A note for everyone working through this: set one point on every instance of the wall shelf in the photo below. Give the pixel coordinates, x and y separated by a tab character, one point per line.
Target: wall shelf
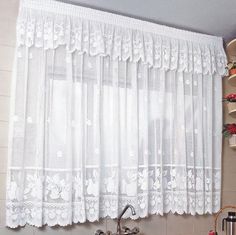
232	141
231	50
233	113
231	56
232	80
233	146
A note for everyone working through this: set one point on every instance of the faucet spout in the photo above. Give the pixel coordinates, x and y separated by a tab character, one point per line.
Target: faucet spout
122	213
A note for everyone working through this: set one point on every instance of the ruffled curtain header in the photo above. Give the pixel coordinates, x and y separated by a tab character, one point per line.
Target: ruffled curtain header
49	24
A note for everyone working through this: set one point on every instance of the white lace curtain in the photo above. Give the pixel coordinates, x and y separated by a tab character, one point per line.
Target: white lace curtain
109	110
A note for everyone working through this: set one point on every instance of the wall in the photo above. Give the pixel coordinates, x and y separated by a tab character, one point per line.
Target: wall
167	225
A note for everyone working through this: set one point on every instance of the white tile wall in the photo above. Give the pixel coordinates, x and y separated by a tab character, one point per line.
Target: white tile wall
6	57
3	134
4	107
3	159
5	81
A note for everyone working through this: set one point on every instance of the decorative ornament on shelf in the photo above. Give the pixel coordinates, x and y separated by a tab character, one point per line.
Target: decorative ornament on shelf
230	132
231	71
231	66
231	103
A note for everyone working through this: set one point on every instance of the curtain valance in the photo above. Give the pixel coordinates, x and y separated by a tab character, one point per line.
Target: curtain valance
49	24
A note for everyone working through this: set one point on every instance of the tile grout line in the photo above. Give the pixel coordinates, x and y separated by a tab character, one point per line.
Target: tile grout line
7	45
5	70
2	70
4	121
5	96
3	147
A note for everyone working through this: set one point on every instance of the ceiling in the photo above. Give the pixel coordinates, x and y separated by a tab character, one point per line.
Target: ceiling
214	17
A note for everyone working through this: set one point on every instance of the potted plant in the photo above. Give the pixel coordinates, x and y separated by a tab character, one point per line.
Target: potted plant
231	66
231	102
230	132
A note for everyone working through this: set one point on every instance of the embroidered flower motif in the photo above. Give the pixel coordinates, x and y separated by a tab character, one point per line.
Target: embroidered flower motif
110	185
217	180
143	180
64	214
190	175
129	185
78	186
34	212
51	214
143	203
171	184
92	210
92	184
29	119
207	184
34	186
89	122
158	172
199	184
157	184
57	188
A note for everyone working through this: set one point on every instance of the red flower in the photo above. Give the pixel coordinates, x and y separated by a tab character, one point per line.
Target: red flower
230	97
232	130
229	129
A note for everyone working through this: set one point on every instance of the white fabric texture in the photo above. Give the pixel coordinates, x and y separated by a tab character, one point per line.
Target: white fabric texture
109	110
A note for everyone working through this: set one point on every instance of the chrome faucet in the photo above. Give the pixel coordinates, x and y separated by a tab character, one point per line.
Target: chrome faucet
121	214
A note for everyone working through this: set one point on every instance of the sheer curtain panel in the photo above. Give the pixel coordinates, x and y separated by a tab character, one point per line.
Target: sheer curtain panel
108	110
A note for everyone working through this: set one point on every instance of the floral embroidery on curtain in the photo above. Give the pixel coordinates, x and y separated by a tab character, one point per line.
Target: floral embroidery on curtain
109	110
